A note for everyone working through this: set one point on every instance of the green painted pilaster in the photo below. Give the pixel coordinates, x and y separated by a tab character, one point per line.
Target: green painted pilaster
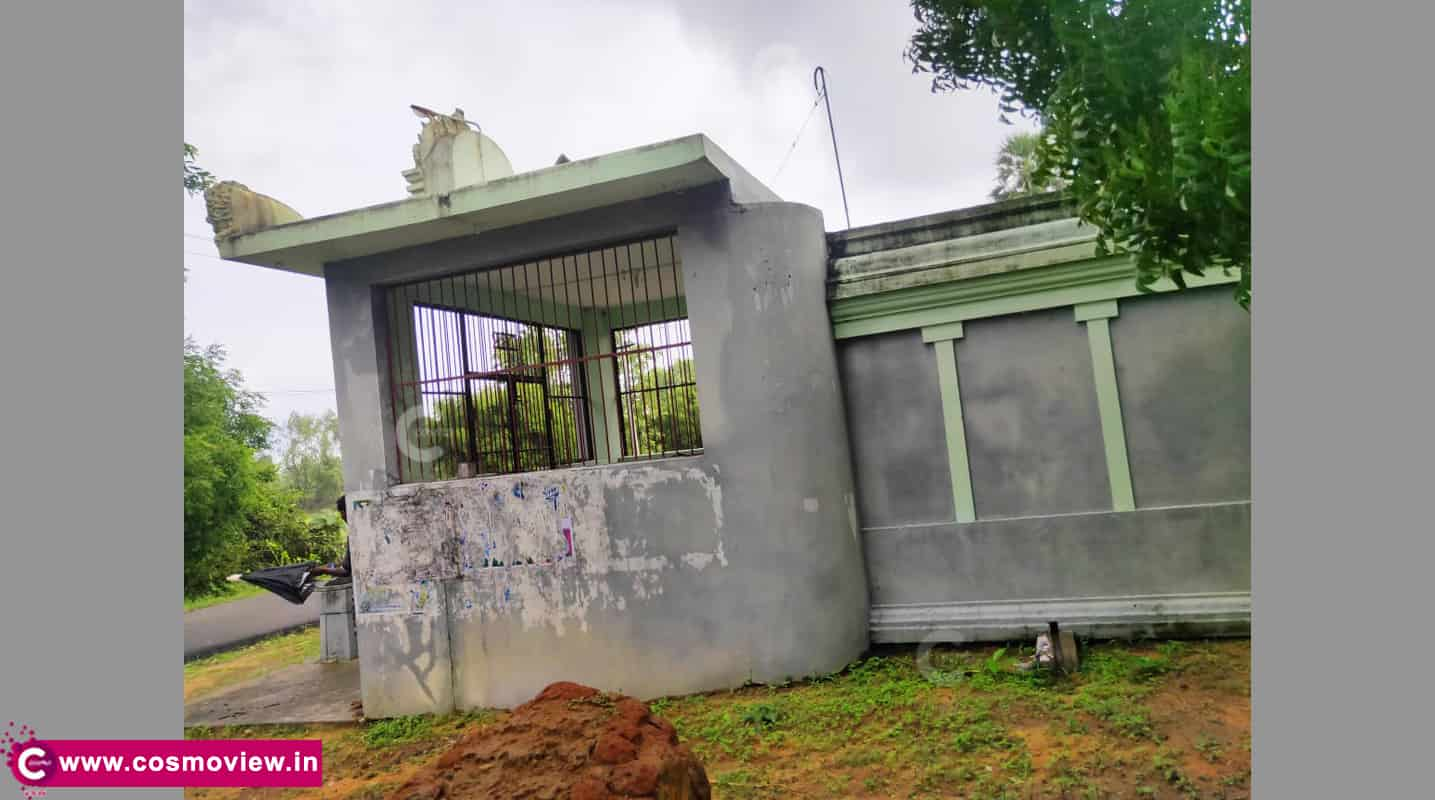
943	338
1097	318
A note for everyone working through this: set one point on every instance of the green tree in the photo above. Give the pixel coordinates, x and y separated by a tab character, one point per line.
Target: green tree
278	532
222	432
1146	111
239	514
663	416
310	464
1019	173
196	180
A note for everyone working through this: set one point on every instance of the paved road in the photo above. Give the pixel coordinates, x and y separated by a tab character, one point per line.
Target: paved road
227	625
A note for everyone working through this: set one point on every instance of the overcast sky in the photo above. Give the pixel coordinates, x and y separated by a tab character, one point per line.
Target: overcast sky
308	102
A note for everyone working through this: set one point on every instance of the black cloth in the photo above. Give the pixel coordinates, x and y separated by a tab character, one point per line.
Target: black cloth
293	583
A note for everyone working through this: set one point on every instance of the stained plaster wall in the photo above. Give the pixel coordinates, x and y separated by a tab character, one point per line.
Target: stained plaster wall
903	476
743	563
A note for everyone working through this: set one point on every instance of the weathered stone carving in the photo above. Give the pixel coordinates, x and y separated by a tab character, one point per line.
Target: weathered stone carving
450	155
234	210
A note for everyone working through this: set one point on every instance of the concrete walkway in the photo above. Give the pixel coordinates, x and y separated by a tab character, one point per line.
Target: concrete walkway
227	625
303	693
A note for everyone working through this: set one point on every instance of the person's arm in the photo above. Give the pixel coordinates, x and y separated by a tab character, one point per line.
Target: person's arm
344	569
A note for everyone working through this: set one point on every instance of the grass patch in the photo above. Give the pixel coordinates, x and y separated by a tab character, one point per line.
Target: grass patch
743	784
1136	720
397	731
230	593
1210	749
1115	681
205	676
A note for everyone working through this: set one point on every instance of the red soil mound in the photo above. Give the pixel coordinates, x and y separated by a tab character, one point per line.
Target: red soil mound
570	741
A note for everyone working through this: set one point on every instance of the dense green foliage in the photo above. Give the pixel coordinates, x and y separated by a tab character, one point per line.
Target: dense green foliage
1146	110
222	431
238	514
280	533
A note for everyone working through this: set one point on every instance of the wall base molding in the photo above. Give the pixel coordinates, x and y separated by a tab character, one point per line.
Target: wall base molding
1164	615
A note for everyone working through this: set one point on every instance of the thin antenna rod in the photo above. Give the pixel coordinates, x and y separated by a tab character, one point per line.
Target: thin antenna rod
819	82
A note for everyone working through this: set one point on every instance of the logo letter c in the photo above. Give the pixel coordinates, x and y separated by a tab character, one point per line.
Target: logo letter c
22	763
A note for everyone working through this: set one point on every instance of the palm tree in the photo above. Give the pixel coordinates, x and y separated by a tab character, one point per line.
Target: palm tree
1018	174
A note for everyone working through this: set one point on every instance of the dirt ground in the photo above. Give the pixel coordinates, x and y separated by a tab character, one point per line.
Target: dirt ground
1149	719
570	741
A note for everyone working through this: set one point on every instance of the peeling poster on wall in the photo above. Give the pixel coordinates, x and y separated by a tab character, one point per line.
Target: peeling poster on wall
420	595
379	599
565	528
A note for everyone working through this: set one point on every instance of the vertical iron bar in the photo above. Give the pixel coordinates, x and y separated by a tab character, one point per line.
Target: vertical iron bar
554	373
425	433
537	329
511	381
578	374
496	435
440	326
468	409
667	331
448	408
543	393
654	331
425	372
619	361
579	413
560	339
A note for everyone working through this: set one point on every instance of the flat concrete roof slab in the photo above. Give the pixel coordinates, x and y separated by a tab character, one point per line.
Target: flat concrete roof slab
675	165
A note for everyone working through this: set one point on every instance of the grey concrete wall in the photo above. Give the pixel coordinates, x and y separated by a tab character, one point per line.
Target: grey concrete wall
894	409
1033	430
689	574
366	435
1187	550
774	430
1047	543
452	613
1183	366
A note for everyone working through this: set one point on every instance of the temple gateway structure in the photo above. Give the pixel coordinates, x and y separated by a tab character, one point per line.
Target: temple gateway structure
635	421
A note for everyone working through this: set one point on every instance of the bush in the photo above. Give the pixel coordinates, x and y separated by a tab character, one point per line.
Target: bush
280	533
